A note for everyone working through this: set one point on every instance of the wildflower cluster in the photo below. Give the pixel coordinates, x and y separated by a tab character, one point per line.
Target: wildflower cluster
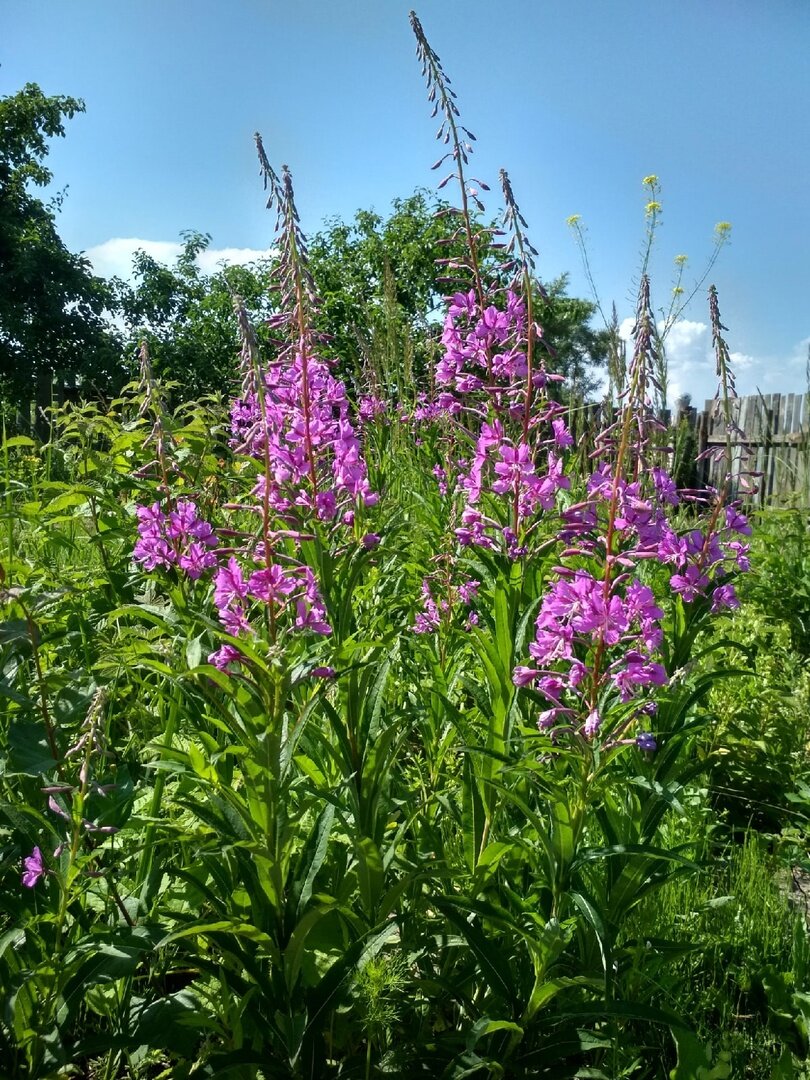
581	618
177	537
292	417
482	349
598	635
440	605
299	425
507	457
275	585
487	380
701	558
370	406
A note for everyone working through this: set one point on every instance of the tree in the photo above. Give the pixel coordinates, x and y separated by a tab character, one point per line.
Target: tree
53	324
187	316
378	280
578	351
381	306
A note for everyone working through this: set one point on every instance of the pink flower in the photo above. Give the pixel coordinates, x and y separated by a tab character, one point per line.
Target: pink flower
324	672
225	657
737	522
562	436
524	676
724	597
270	585
33	868
690	584
311	616
229	585
196	559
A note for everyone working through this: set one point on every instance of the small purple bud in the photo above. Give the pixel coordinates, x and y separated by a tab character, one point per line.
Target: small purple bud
370	540
592	724
324	672
54	806
524	676
646	741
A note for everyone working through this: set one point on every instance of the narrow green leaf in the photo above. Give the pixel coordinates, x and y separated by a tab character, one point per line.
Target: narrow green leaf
473	817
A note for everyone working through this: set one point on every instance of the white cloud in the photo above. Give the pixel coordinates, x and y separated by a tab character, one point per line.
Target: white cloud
213	258
113	258
741	362
690	362
691	365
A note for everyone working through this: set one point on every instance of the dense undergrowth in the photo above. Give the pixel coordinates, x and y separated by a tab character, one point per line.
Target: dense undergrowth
380	731
414	928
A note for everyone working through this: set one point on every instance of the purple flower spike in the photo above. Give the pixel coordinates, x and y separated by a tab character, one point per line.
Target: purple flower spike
33	869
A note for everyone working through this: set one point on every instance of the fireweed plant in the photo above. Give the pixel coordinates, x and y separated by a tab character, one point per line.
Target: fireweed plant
311	486
609	644
414	731
599	633
639	567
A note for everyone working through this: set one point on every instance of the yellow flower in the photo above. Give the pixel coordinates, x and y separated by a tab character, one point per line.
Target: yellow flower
574	220
650	181
681	260
652	208
723	228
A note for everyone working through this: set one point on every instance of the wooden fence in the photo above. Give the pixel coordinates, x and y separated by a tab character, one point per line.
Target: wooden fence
770	438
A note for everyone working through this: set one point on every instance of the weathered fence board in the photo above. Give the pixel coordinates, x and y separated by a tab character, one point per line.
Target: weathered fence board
769	436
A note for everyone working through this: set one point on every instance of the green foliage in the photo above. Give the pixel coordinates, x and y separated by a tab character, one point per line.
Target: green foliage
757	743
783	572
52	308
187	317
362	853
378	280
382	874
740	958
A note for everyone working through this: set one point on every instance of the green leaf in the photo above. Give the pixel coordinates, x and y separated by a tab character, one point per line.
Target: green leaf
695	1060
65	501
194	652
175	1023
484	1026
600	927
491	958
17	440
473	817
29	752
370	873
321	835
294	952
14	632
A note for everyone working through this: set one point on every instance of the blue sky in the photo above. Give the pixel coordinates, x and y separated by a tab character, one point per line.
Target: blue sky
578	99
